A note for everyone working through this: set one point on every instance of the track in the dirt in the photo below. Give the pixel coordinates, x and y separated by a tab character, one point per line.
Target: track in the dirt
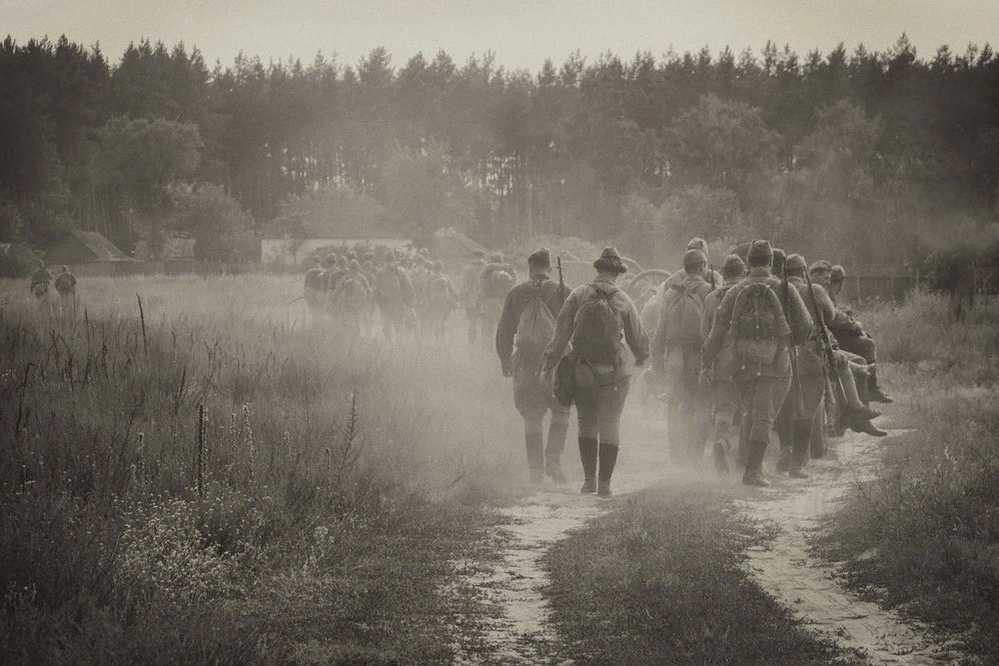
517	629
811	587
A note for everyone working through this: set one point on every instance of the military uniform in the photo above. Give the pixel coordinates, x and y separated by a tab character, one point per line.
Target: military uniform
762	387
393	293
532	390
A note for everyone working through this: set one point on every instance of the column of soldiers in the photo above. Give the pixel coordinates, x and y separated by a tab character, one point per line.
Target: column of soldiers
755	350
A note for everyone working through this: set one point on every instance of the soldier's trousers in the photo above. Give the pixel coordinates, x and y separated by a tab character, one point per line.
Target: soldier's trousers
599	409
761	399
687	415
861	345
794	423
533	400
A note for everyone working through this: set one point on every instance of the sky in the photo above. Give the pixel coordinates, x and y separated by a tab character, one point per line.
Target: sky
521	33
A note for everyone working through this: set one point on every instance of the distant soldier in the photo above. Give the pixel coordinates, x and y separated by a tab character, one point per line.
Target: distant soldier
752	327
65	284
40	280
603	325
394	295
526	326
470	293
440	301
849	332
724	396
713	277
676	356
315	286
350	298
495	282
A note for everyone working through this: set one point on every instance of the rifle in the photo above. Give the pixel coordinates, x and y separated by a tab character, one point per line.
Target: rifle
830	364
797	400
561	280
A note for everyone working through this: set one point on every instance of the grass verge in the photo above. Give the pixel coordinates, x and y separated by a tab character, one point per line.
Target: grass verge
923	537
658	580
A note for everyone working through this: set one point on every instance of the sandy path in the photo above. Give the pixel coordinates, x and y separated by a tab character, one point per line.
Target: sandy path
812	587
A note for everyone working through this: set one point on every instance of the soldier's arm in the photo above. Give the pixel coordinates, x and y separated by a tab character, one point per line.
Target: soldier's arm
658	345
799	318
719	328
507	330
634	334
563	328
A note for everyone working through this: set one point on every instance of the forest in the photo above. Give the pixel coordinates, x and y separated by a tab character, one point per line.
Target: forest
871	157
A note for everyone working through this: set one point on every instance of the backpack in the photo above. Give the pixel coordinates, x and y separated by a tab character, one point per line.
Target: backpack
496	283
314	279
598	328
438	292
388	284
352	291
65	283
536	325
683	309
757	324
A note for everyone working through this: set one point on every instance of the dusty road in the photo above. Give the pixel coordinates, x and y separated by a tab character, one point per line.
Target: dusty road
510	580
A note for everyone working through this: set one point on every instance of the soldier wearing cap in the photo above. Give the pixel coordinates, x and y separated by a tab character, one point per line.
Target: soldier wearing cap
676	357
801	408
520	349
849	332
724	397
761	368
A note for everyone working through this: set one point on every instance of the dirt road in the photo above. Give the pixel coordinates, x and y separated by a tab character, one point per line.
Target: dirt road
510	581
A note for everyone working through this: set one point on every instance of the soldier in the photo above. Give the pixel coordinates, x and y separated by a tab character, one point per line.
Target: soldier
65	284
470	293
40	280
849	332
350	298
603	325
713	278
724	396
755	330
440	301
495	282
676	357
799	412
525	328
393	293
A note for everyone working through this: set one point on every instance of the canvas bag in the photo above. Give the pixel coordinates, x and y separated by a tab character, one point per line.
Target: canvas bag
683	308
758	325
598	328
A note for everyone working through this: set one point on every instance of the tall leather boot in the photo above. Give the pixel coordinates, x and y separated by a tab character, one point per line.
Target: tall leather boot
802	434
588	455
608	458
874	392
535	456
754	465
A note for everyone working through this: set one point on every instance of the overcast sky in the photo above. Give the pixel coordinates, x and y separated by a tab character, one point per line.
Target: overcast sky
522	33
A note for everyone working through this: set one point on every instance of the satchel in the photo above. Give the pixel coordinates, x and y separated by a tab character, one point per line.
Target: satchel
564	380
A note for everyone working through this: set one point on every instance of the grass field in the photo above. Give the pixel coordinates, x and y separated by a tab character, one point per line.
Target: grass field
928	527
220	479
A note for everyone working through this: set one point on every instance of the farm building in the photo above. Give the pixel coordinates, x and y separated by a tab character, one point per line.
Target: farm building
89	253
453	246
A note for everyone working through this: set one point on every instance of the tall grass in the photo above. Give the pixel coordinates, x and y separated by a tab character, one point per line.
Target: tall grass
169	463
931	521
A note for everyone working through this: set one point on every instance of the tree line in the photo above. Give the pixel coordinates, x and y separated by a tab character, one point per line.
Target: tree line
864	156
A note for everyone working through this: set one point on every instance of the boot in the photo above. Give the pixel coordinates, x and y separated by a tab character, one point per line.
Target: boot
802	433
588	455
535	457
608	458
784	462
754	465
868	428
554	470
874	391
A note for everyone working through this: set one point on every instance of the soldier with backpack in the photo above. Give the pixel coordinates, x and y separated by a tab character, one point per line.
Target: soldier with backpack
723	395
676	357
602	324
495	282
526	326
315	286
394	295
750	342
